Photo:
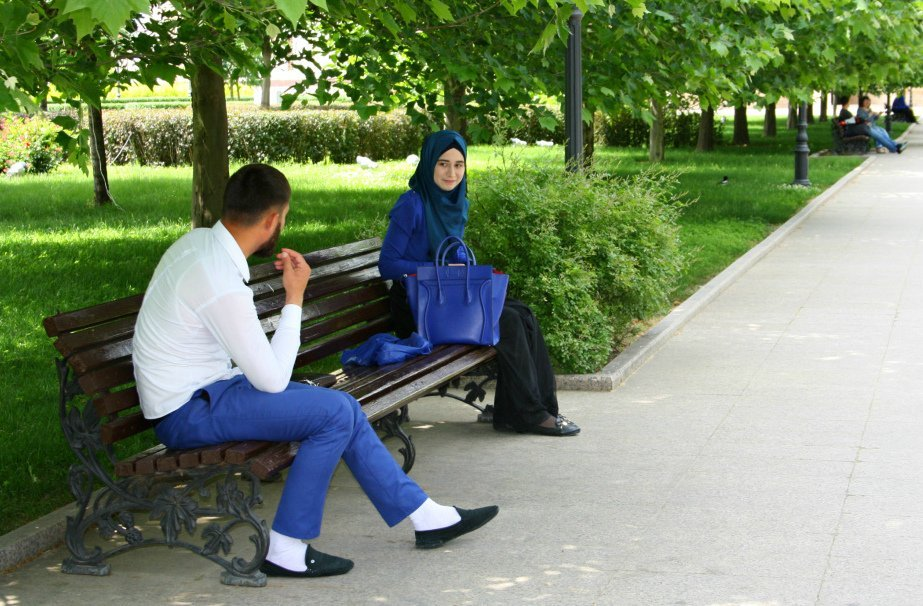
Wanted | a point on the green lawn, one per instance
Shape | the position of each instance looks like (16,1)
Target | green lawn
(59,252)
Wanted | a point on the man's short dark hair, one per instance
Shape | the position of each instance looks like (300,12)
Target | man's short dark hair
(253,190)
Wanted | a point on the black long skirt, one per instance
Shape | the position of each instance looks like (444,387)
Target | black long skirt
(525,393)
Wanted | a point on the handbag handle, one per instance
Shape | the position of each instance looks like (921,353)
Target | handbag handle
(453,242)
(450,243)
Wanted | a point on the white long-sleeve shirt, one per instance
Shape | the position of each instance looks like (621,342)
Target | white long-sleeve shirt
(198,321)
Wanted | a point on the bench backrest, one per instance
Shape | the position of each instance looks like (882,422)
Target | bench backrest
(346,302)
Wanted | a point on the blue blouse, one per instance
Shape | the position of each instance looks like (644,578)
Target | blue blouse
(406,244)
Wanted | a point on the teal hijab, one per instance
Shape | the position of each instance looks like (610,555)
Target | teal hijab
(446,212)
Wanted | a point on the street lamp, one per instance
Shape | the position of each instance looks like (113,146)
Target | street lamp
(573,96)
(801,147)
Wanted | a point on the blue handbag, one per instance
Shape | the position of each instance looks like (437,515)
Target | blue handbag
(457,303)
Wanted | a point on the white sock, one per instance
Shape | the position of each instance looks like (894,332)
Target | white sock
(431,515)
(287,552)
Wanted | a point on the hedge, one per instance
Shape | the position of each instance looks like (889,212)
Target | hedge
(681,129)
(164,136)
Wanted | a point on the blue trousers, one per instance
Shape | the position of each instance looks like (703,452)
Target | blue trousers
(329,424)
(882,138)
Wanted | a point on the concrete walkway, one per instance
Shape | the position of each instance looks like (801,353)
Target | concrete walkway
(769,453)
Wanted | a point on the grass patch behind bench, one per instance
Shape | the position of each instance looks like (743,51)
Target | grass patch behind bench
(58,253)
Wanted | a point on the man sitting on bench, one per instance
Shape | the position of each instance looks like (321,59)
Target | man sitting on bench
(198,317)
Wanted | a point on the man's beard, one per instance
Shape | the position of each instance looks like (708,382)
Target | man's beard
(268,248)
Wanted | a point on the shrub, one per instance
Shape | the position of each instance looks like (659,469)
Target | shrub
(302,136)
(589,253)
(29,140)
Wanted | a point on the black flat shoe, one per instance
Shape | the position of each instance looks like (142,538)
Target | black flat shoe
(562,427)
(319,565)
(471,519)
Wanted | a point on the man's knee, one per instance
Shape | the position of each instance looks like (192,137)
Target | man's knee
(344,411)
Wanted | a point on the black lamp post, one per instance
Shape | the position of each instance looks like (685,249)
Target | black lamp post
(573,96)
(801,148)
(888,114)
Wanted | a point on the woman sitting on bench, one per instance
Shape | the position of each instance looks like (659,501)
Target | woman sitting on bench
(435,207)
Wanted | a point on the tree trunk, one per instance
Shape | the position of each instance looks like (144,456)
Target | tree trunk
(706,140)
(454,93)
(792,115)
(769,122)
(267,79)
(741,128)
(823,106)
(209,146)
(810,112)
(655,148)
(98,158)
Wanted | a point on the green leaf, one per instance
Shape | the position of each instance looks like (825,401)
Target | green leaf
(547,122)
(320,4)
(230,23)
(83,22)
(65,122)
(407,13)
(547,36)
(111,14)
(272,31)
(388,21)
(441,9)
(292,9)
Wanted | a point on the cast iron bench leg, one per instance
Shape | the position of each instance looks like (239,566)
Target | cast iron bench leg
(391,425)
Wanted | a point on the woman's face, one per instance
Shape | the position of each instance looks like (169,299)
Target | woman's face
(866,103)
(450,168)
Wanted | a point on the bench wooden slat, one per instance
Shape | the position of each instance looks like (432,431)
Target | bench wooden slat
(97,357)
(89,316)
(147,465)
(206,455)
(168,461)
(242,451)
(395,375)
(272,460)
(103,379)
(357,265)
(349,338)
(72,342)
(114,403)
(123,427)
(337,304)
(319,258)
(110,310)
(126,467)
(375,409)
(272,304)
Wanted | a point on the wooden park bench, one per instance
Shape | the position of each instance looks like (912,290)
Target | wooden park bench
(845,145)
(173,491)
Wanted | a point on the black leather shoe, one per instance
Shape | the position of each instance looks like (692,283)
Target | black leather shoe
(562,427)
(319,565)
(471,519)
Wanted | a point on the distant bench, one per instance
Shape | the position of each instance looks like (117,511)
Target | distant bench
(346,303)
(843,144)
